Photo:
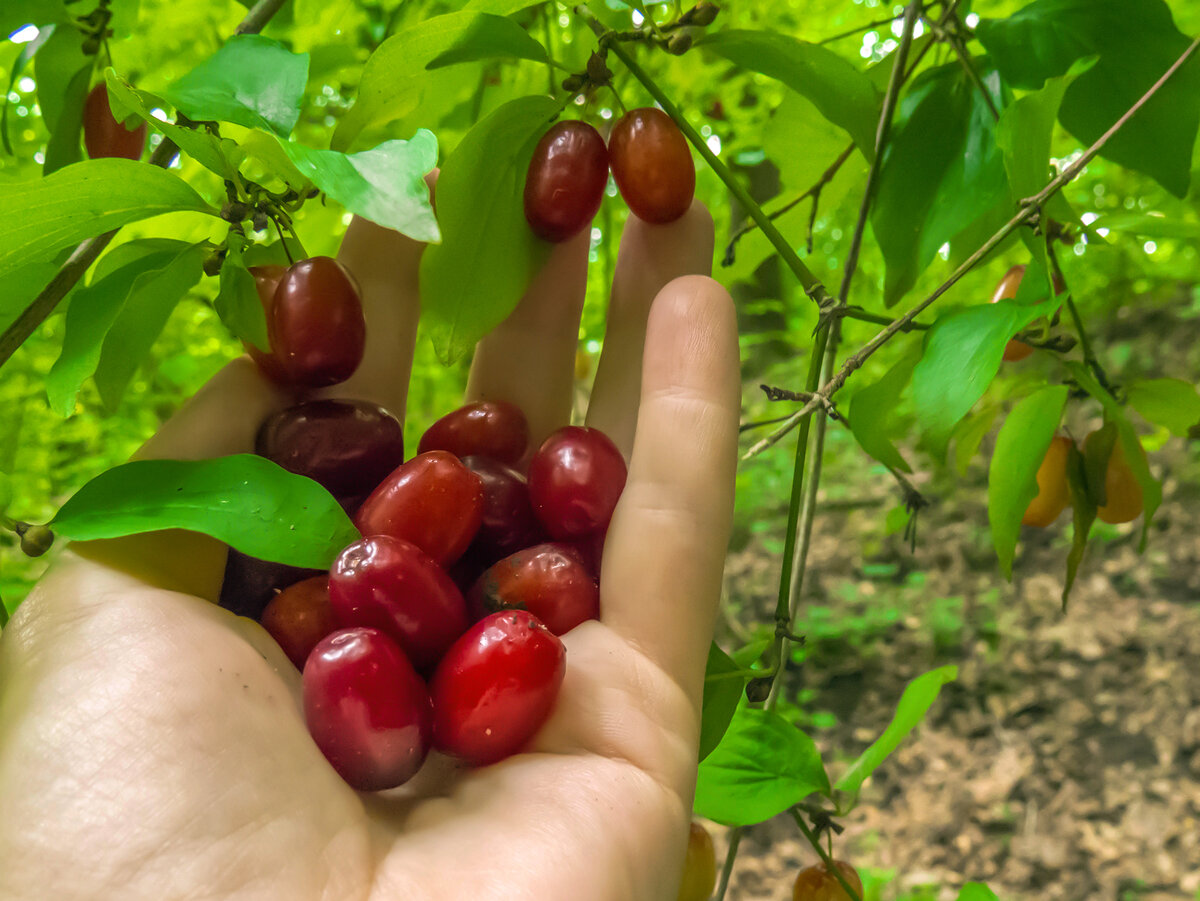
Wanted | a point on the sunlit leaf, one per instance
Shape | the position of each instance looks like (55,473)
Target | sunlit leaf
(723,685)
(489,37)
(1171,403)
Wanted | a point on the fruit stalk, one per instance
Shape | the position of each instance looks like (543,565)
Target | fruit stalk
(824,855)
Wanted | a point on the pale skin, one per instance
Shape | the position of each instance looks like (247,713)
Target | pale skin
(152,745)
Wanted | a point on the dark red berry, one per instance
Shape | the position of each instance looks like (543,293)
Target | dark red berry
(432,500)
(300,616)
(316,326)
(266,280)
(490,428)
(367,709)
(566,179)
(250,583)
(551,581)
(508,521)
(347,446)
(575,479)
(103,135)
(652,165)
(395,587)
(496,687)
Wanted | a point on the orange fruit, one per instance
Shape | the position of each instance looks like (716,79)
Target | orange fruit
(817,883)
(1053,494)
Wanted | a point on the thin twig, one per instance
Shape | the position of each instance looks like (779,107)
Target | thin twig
(954,39)
(834,869)
(735,839)
(1029,210)
(878,23)
(86,252)
(1085,344)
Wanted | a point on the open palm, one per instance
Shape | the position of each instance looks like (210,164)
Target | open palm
(152,744)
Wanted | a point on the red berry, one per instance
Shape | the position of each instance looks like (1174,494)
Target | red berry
(300,616)
(103,135)
(349,447)
(566,179)
(266,280)
(249,583)
(817,883)
(652,165)
(508,521)
(490,428)
(395,587)
(367,709)
(575,480)
(496,687)
(316,326)
(551,581)
(432,500)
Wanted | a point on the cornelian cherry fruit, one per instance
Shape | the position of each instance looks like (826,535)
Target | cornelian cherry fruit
(699,866)
(489,428)
(818,883)
(299,617)
(575,480)
(1006,290)
(316,325)
(394,586)
(432,500)
(367,709)
(1123,500)
(652,165)
(103,135)
(508,522)
(1053,494)
(496,687)
(565,182)
(551,581)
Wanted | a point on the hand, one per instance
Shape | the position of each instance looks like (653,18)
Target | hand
(152,744)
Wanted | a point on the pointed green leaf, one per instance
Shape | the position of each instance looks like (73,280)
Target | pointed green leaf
(1171,403)
(480,205)
(238,303)
(871,413)
(490,37)
(27,53)
(1021,446)
(64,146)
(20,286)
(723,685)
(56,64)
(1148,225)
(969,434)
(762,766)
(247,501)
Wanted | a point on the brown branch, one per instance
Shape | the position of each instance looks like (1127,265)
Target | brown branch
(86,252)
(1029,211)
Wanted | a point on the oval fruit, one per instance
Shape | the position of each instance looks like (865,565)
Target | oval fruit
(367,709)
(508,522)
(432,500)
(299,617)
(652,165)
(103,135)
(496,687)
(489,428)
(316,326)
(565,182)
(551,581)
(817,883)
(348,446)
(1053,493)
(1123,500)
(575,480)
(393,586)
(699,866)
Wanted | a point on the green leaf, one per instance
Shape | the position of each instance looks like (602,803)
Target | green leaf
(238,303)
(480,197)
(918,697)
(251,80)
(489,37)
(976,891)
(245,500)
(64,146)
(1171,403)
(762,767)
(962,355)
(1148,225)
(723,686)
(140,321)
(1021,446)
(6,492)
(943,170)
(1083,509)
(394,77)
(63,73)
(20,286)
(268,151)
(1136,42)
(969,434)
(871,413)
(386,184)
(39,217)
(219,155)
(16,13)
(844,95)
(90,316)
(27,53)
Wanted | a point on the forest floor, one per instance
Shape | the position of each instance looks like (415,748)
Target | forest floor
(1064,763)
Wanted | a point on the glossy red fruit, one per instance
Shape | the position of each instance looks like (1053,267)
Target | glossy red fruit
(432,500)
(508,521)
(266,280)
(103,135)
(591,549)
(394,586)
(566,179)
(316,326)
(551,581)
(496,687)
(575,480)
(348,446)
(817,883)
(489,428)
(300,616)
(652,165)
(367,709)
